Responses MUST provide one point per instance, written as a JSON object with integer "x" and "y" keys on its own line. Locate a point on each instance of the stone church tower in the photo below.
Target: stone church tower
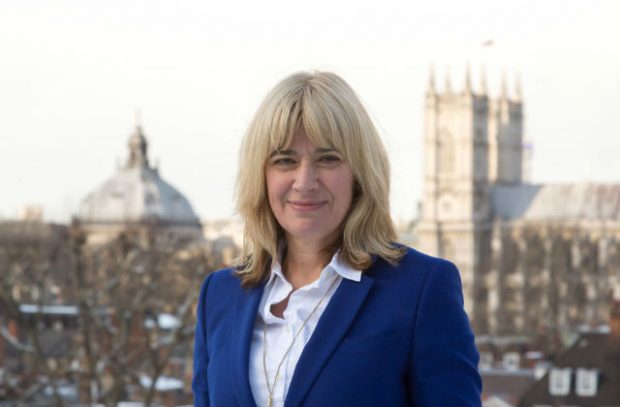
{"x": 472, "y": 143}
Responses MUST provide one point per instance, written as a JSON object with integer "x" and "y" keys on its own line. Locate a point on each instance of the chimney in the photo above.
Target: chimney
{"x": 614, "y": 324}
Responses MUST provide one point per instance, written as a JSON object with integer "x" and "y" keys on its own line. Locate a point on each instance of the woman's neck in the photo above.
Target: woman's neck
{"x": 303, "y": 264}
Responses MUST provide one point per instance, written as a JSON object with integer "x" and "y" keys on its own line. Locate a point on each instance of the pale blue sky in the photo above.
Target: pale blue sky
{"x": 72, "y": 72}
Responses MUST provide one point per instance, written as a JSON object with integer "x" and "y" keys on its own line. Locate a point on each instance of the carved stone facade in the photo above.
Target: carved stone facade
{"x": 550, "y": 277}
{"x": 534, "y": 259}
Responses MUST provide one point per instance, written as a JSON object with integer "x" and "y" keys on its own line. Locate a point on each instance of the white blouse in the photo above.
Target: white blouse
{"x": 280, "y": 332}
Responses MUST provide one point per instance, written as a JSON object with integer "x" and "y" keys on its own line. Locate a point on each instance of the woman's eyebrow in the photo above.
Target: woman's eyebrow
{"x": 321, "y": 150}
{"x": 283, "y": 152}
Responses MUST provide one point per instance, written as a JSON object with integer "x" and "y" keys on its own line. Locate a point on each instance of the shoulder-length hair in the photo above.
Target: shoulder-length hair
{"x": 332, "y": 116}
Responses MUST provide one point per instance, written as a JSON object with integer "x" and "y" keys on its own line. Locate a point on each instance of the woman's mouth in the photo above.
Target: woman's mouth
{"x": 306, "y": 206}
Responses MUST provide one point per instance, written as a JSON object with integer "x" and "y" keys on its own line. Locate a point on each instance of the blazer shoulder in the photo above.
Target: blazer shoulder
{"x": 219, "y": 282}
{"x": 412, "y": 256}
{"x": 415, "y": 265}
{"x": 224, "y": 275}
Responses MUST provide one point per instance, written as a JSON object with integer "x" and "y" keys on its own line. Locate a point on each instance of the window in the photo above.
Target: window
{"x": 559, "y": 381}
{"x": 486, "y": 360}
{"x": 511, "y": 360}
{"x": 446, "y": 250}
{"x": 587, "y": 382}
{"x": 447, "y": 156}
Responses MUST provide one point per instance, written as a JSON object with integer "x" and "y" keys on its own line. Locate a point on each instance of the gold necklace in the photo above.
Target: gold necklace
{"x": 271, "y": 388}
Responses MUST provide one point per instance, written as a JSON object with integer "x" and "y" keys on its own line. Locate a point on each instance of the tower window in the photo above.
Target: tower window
{"x": 446, "y": 153}
{"x": 446, "y": 249}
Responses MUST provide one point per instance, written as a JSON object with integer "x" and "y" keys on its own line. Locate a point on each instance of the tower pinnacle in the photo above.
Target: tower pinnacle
{"x": 467, "y": 79}
{"x": 518, "y": 90}
{"x": 448, "y": 87}
{"x": 483, "y": 81}
{"x": 432, "y": 89}
{"x": 504, "y": 87}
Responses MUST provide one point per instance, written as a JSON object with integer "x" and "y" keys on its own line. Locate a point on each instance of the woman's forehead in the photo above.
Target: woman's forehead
{"x": 301, "y": 138}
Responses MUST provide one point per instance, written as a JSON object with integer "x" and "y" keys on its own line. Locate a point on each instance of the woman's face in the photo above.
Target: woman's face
{"x": 310, "y": 190}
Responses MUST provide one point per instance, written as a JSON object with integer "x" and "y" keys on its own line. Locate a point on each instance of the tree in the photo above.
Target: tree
{"x": 128, "y": 307}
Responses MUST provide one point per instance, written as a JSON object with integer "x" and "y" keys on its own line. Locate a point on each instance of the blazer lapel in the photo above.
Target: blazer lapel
{"x": 244, "y": 315}
{"x": 333, "y": 324}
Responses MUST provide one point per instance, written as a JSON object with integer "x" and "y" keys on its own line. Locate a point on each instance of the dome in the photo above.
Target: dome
{"x": 137, "y": 194}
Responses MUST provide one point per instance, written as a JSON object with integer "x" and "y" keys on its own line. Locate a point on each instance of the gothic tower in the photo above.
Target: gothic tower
{"x": 471, "y": 142}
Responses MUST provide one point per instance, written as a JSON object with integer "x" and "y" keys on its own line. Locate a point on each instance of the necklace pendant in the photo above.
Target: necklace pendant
{"x": 269, "y": 401}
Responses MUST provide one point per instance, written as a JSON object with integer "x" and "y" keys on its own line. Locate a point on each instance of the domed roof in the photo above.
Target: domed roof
{"x": 137, "y": 194}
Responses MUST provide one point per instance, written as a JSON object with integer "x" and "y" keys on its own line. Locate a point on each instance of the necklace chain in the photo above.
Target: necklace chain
{"x": 271, "y": 388}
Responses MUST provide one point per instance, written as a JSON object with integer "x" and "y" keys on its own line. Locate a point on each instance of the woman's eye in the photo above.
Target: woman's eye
{"x": 330, "y": 159}
{"x": 283, "y": 161}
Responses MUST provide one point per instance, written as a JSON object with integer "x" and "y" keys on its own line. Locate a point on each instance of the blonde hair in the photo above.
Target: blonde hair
{"x": 332, "y": 116}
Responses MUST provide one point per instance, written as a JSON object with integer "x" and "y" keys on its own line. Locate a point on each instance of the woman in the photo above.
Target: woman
{"x": 324, "y": 308}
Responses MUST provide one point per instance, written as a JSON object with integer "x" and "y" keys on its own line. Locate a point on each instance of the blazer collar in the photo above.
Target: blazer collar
{"x": 244, "y": 315}
{"x": 332, "y": 326}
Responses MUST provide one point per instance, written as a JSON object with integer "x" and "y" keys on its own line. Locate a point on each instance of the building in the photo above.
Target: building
{"x": 585, "y": 375}
{"x": 230, "y": 228}
{"x": 136, "y": 199}
{"x": 534, "y": 259}
{"x": 508, "y": 367}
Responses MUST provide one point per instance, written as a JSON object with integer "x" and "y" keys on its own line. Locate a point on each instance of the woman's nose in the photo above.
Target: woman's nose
{"x": 305, "y": 177}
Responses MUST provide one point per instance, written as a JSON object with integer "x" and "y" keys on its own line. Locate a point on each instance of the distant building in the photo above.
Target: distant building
{"x": 28, "y": 233}
{"x": 30, "y": 213}
{"x": 136, "y": 199}
{"x": 534, "y": 259}
{"x": 585, "y": 375}
{"x": 56, "y": 325}
{"x": 508, "y": 368}
{"x": 503, "y": 388}
{"x": 231, "y": 228}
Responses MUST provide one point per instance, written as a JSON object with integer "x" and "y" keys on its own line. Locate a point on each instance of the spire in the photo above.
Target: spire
{"x": 483, "y": 81}
{"x": 518, "y": 91}
{"x": 468, "y": 79}
{"x": 504, "y": 88}
{"x": 138, "y": 146}
{"x": 448, "y": 82}
{"x": 432, "y": 89}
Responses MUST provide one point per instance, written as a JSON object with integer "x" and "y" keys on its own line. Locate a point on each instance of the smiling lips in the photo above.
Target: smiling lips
{"x": 306, "y": 206}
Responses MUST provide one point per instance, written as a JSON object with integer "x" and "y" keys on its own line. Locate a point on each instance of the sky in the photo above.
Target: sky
{"x": 73, "y": 73}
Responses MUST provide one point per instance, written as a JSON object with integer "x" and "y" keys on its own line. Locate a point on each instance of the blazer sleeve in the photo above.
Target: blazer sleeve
{"x": 201, "y": 356}
{"x": 444, "y": 357}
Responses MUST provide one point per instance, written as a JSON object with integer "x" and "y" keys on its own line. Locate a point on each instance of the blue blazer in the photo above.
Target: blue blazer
{"x": 399, "y": 337}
